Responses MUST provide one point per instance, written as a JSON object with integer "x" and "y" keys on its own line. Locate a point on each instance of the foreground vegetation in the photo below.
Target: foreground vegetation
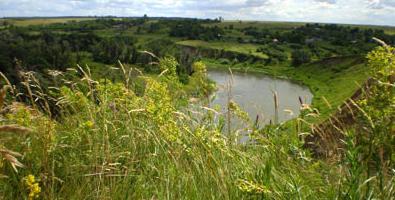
{"x": 131, "y": 140}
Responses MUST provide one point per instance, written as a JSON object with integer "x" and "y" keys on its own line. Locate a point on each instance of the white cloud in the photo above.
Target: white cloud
{"x": 337, "y": 11}
{"x": 381, "y": 4}
{"x": 327, "y": 1}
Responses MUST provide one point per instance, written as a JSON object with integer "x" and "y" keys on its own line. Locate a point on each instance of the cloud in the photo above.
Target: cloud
{"x": 256, "y": 3}
{"x": 326, "y": 1}
{"x": 381, "y": 4}
{"x": 336, "y": 11}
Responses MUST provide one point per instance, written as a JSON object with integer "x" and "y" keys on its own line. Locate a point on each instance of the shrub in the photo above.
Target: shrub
{"x": 300, "y": 57}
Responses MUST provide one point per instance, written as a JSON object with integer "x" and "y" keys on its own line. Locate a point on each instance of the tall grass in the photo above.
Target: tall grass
{"x": 133, "y": 140}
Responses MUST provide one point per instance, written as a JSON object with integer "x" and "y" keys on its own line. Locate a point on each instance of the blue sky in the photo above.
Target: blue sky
{"x": 379, "y": 12}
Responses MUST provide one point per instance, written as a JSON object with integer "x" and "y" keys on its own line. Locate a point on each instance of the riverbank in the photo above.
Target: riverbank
{"x": 331, "y": 80}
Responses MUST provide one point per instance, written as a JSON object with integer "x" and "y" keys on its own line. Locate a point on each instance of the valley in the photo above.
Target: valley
{"x": 160, "y": 108}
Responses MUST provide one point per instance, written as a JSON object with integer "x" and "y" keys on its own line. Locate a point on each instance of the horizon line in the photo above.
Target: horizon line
{"x": 227, "y": 20}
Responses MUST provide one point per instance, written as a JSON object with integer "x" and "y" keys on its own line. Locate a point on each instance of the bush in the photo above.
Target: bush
{"x": 300, "y": 57}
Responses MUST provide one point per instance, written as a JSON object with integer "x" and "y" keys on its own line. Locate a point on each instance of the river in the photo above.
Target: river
{"x": 254, "y": 93}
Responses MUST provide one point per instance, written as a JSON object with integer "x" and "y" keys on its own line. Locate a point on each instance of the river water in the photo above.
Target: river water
{"x": 253, "y": 92}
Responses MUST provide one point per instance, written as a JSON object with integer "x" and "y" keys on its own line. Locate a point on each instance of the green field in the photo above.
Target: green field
{"x": 284, "y": 26}
{"x": 248, "y": 49}
{"x": 42, "y": 21}
{"x": 281, "y": 26}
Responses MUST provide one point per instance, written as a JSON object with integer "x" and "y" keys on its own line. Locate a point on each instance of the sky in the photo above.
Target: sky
{"x": 377, "y": 12}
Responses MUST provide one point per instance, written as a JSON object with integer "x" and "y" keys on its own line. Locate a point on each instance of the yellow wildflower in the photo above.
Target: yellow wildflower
{"x": 89, "y": 124}
{"x": 32, "y": 186}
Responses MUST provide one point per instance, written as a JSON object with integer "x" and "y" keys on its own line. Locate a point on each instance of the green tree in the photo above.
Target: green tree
{"x": 300, "y": 57}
